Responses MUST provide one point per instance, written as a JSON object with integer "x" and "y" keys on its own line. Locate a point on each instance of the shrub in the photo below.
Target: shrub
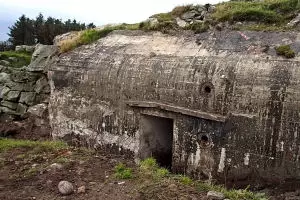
{"x": 285, "y": 50}
{"x": 122, "y": 172}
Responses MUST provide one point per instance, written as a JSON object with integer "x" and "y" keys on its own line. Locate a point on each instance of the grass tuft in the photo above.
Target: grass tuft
{"x": 285, "y": 50}
{"x": 6, "y": 144}
{"x": 123, "y": 172}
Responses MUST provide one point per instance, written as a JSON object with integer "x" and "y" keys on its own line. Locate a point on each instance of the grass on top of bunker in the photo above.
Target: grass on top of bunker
{"x": 33, "y": 169}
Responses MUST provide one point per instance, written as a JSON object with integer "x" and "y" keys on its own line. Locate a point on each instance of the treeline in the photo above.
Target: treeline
{"x": 28, "y": 31}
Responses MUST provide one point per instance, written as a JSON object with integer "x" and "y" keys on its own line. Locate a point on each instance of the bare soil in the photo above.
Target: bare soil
{"x": 26, "y": 174}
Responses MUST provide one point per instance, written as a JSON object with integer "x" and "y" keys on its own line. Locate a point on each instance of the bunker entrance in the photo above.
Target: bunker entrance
{"x": 156, "y": 139}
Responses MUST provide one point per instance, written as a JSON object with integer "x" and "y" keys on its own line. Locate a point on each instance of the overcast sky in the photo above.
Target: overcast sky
{"x": 98, "y": 11}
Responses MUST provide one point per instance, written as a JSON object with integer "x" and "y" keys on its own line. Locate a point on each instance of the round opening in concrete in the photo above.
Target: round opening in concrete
{"x": 204, "y": 138}
{"x": 207, "y": 89}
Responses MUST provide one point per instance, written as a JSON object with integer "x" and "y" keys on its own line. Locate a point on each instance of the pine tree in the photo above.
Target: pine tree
{"x": 22, "y": 32}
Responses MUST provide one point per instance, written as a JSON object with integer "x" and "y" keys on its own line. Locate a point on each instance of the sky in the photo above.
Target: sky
{"x": 99, "y": 12}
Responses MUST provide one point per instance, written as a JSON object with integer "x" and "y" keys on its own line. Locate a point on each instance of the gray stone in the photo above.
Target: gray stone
{"x": 42, "y": 86}
{"x": 26, "y": 48}
{"x": 8, "y": 112}
{"x": 42, "y": 98}
{"x": 4, "y": 77}
{"x": 152, "y": 20}
{"x": 26, "y": 87}
{"x": 21, "y": 109}
{"x": 65, "y": 187}
{"x": 38, "y": 110}
{"x": 9, "y": 104}
{"x": 56, "y": 166}
{"x": 12, "y": 96}
{"x": 4, "y": 62}
{"x": 2, "y": 68}
{"x": 181, "y": 23}
{"x": 27, "y": 98}
{"x": 211, "y": 8}
{"x": 23, "y": 76}
{"x": 42, "y": 57}
{"x": 294, "y": 21}
{"x": 81, "y": 189}
{"x": 13, "y": 59}
{"x": 188, "y": 16}
{"x": 212, "y": 195}
{"x": 4, "y": 92}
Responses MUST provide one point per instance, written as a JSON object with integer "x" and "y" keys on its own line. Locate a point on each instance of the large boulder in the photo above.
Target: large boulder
{"x": 42, "y": 58}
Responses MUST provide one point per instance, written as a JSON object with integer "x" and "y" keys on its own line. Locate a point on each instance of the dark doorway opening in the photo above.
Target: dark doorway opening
{"x": 156, "y": 139}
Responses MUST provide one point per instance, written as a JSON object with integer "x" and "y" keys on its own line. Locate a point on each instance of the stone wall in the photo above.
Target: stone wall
{"x": 22, "y": 88}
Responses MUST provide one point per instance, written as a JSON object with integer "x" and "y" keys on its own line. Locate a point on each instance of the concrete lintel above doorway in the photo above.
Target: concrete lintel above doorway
{"x": 177, "y": 109}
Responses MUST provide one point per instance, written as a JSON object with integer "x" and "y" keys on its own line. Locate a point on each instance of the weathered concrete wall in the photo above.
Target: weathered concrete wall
{"x": 232, "y": 89}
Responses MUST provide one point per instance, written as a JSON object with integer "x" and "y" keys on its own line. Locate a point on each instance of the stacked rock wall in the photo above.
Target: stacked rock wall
{"x": 25, "y": 87}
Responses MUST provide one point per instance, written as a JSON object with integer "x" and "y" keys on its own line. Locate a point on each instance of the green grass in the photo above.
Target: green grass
{"x": 6, "y": 144}
{"x": 285, "y": 51}
{"x": 198, "y": 27}
{"x": 268, "y": 11}
{"x": 263, "y": 27}
{"x": 123, "y": 172}
{"x": 231, "y": 194}
{"x": 92, "y": 35}
{"x": 21, "y": 58}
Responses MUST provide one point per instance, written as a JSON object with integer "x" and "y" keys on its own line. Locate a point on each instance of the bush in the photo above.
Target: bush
{"x": 286, "y": 51}
{"x": 122, "y": 172}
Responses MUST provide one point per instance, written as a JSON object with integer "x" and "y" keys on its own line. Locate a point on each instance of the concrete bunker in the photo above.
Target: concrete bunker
{"x": 245, "y": 100}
